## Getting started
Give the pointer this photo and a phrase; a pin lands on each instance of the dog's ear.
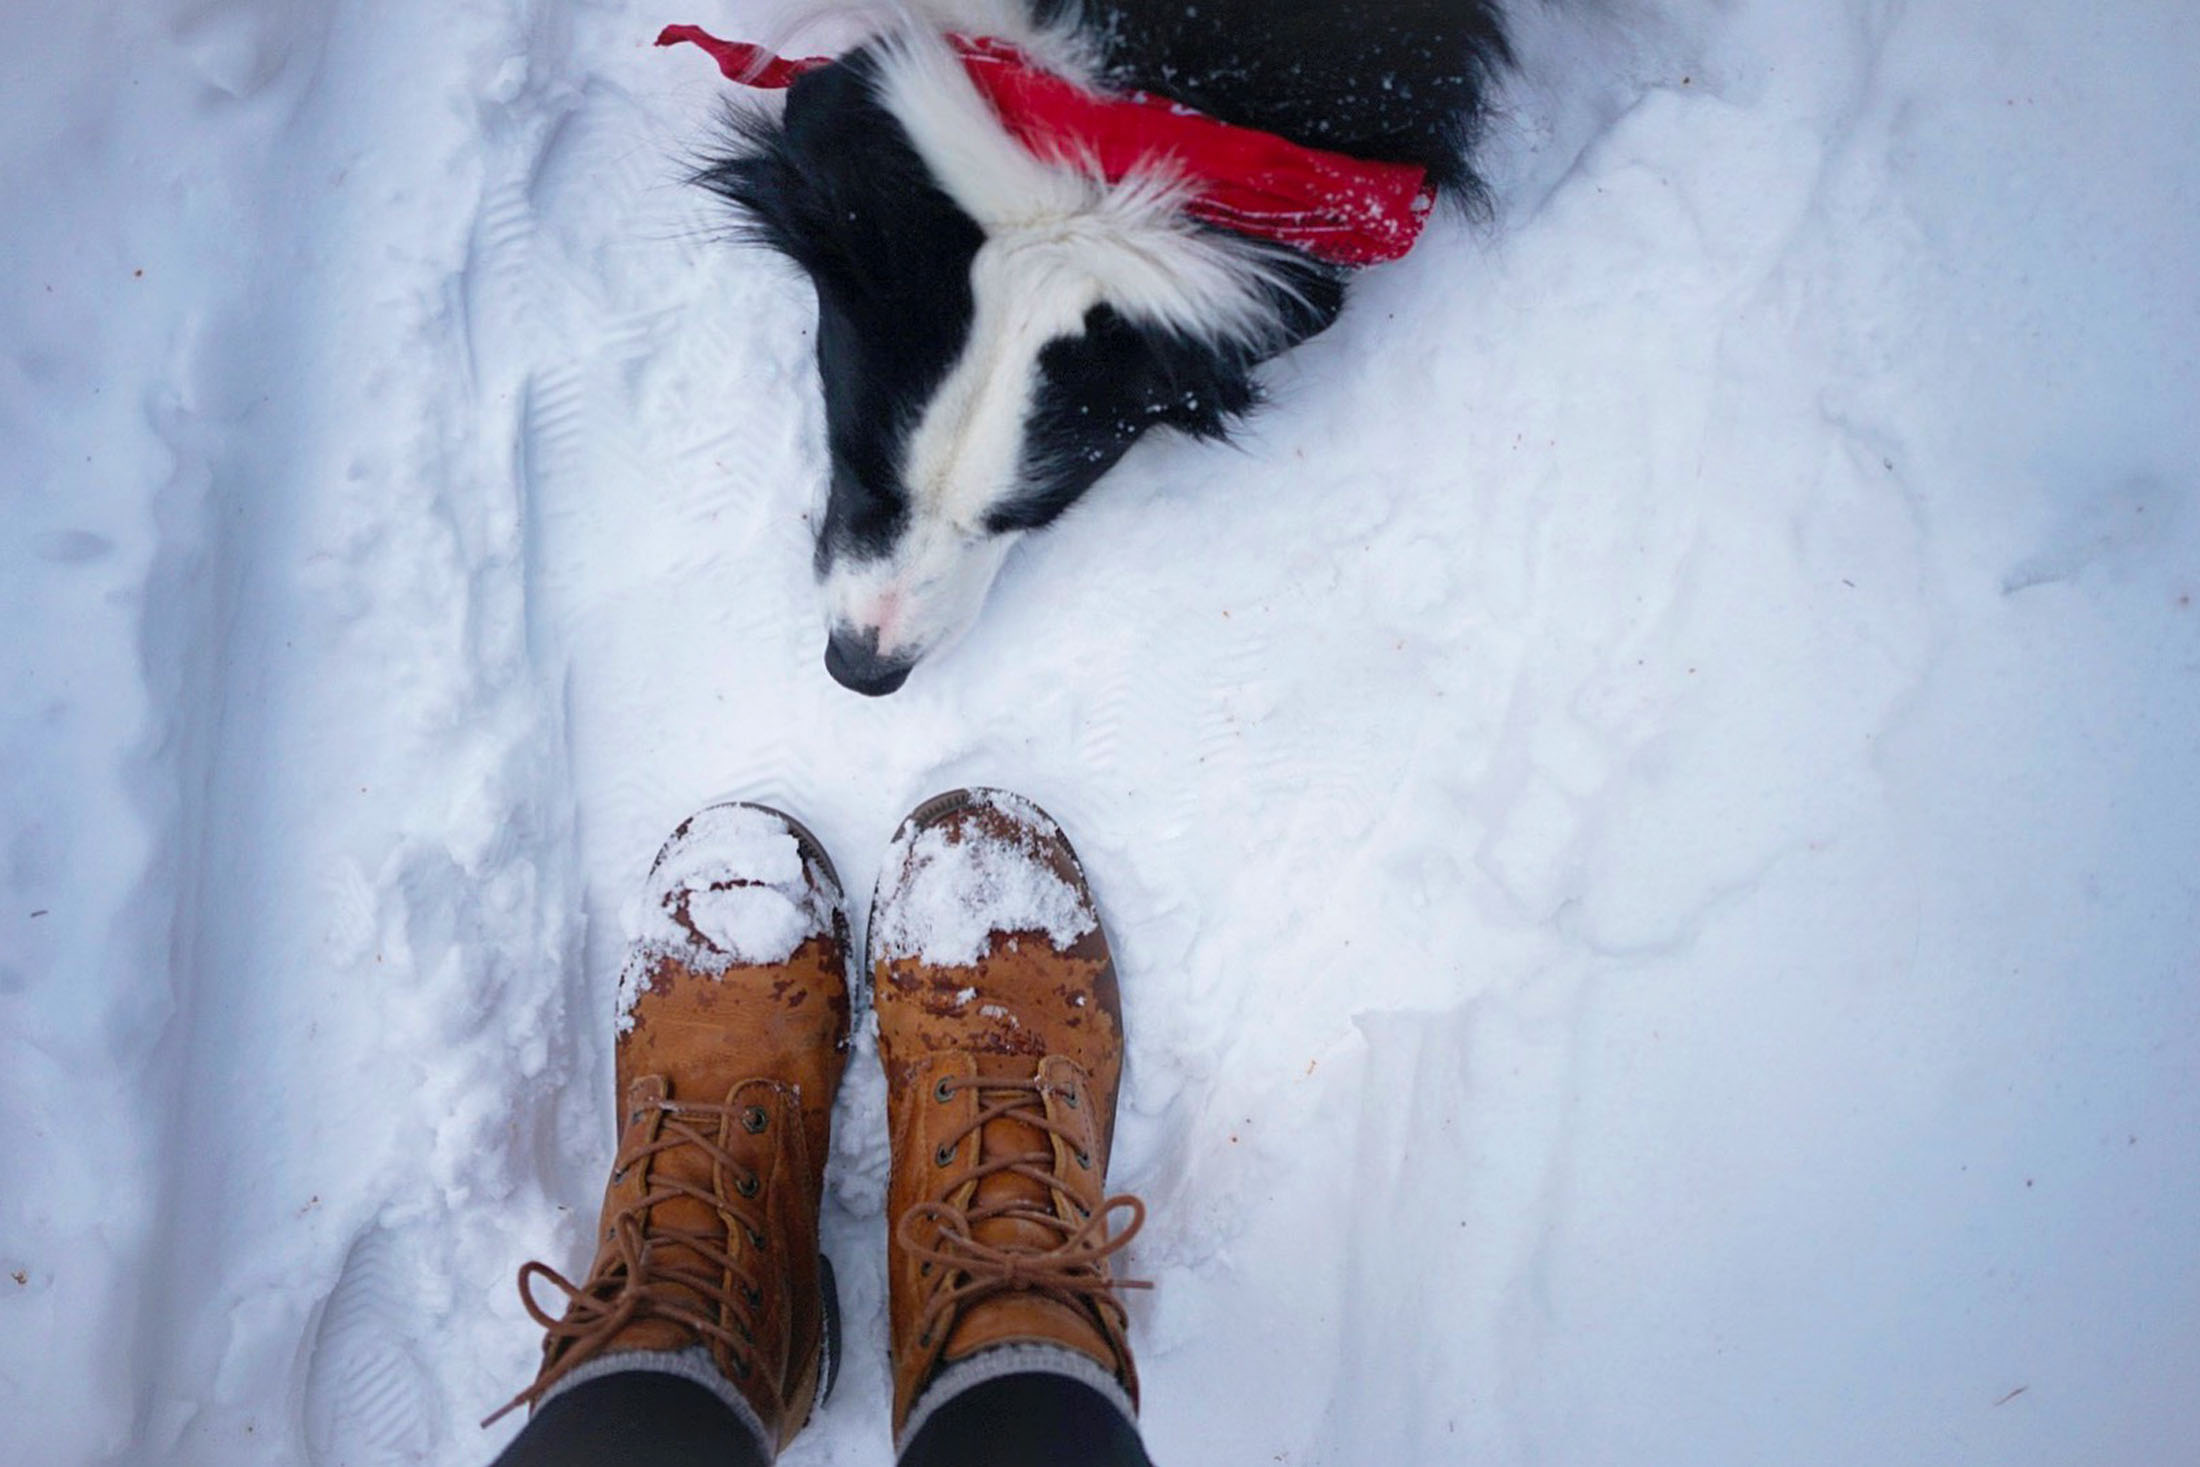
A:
(1305, 297)
(751, 167)
(1205, 387)
(1210, 385)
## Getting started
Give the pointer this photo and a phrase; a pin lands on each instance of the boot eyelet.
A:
(757, 1240)
(748, 1186)
(945, 1156)
(743, 1369)
(944, 1091)
(754, 1296)
(756, 1120)
(618, 1175)
(1084, 1159)
(1069, 1098)
(924, 1270)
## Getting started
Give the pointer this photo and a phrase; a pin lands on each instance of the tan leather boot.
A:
(1000, 1029)
(733, 1030)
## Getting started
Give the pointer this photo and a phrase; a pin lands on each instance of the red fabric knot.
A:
(1337, 208)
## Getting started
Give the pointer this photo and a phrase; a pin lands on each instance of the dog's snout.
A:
(854, 661)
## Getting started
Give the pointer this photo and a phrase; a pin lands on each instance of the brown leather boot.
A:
(733, 1030)
(1001, 1032)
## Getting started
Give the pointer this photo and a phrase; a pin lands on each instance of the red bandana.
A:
(1346, 211)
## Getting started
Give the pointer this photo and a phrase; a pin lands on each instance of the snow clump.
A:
(731, 890)
(956, 887)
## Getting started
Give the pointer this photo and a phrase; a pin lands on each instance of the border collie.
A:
(1018, 216)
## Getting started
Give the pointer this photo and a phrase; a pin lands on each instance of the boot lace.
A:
(1073, 1269)
(690, 1277)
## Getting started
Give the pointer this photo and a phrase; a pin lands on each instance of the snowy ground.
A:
(1651, 815)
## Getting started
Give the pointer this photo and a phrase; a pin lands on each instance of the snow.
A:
(732, 887)
(948, 890)
(1649, 817)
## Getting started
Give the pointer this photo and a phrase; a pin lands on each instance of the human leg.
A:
(1024, 1418)
(636, 1416)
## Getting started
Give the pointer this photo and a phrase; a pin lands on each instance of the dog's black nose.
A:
(853, 660)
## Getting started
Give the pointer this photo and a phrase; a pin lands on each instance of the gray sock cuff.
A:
(693, 1364)
(1005, 1360)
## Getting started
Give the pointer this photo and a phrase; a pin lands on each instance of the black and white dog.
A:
(1008, 299)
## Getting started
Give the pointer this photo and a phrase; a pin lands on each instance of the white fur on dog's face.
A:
(965, 457)
(920, 599)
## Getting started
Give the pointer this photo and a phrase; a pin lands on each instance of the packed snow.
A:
(730, 887)
(948, 889)
(1649, 814)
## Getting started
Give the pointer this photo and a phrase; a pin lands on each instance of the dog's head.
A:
(995, 330)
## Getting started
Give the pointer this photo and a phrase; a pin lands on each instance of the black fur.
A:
(1100, 392)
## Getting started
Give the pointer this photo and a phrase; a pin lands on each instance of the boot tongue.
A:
(1008, 1318)
(1013, 1136)
(689, 1165)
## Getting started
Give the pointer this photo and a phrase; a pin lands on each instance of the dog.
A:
(1039, 229)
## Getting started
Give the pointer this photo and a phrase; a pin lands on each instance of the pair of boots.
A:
(1000, 1030)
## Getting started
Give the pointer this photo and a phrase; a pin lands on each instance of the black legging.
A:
(644, 1419)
